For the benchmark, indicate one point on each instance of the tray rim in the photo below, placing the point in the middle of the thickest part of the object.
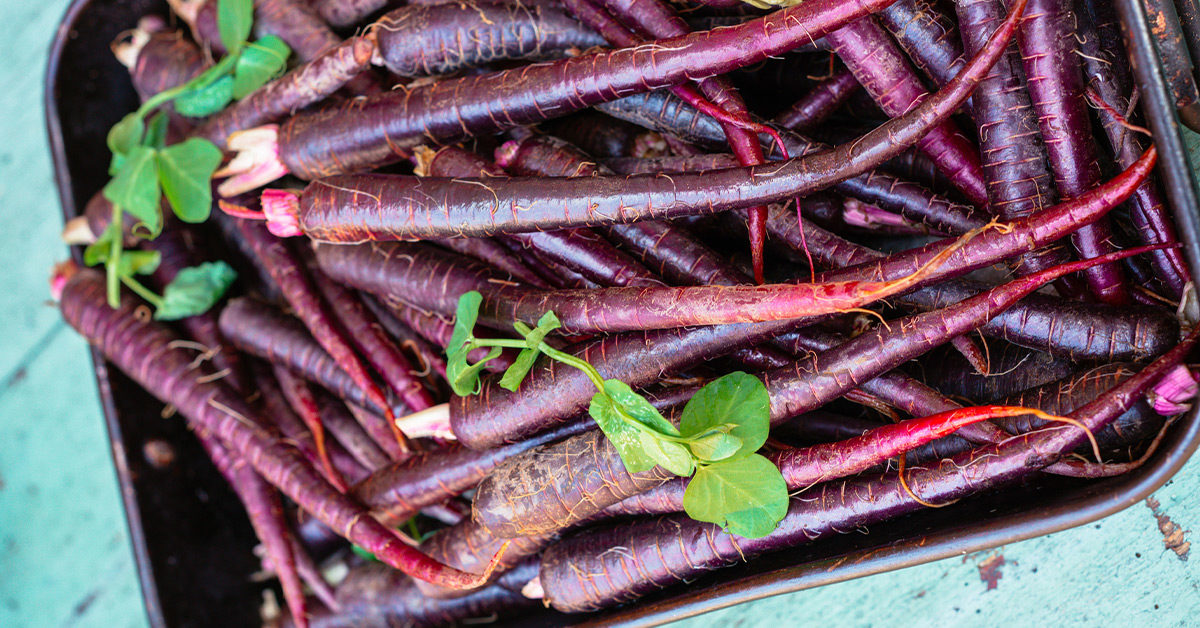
(1039, 521)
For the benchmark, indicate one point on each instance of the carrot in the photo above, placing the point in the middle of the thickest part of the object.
(263, 332)
(638, 359)
(1053, 74)
(344, 427)
(563, 498)
(927, 35)
(265, 511)
(304, 404)
(1013, 369)
(821, 101)
(305, 85)
(437, 39)
(364, 207)
(159, 59)
(353, 138)
(428, 357)
(143, 350)
(297, 287)
(397, 492)
(579, 574)
(469, 546)
(883, 71)
(341, 13)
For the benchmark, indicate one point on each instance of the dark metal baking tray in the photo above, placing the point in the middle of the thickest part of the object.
(192, 543)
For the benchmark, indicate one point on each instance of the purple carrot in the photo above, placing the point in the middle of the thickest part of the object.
(807, 385)
(264, 332)
(663, 113)
(426, 355)
(928, 36)
(159, 59)
(373, 595)
(364, 207)
(297, 287)
(1114, 88)
(437, 331)
(305, 85)
(265, 511)
(397, 492)
(469, 546)
(1014, 162)
(304, 404)
(343, 427)
(820, 102)
(1053, 74)
(582, 574)
(884, 72)
(353, 138)
(437, 39)
(596, 134)
(551, 392)
(144, 350)
(342, 13)
(275, 405)
(366, 334)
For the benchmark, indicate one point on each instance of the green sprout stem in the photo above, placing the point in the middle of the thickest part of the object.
(142, 291)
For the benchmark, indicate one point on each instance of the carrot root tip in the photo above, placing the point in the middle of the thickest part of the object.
(78, 231)
(432, 422)
(533, 589)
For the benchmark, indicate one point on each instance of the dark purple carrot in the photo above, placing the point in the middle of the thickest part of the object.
(275, 406)
(159, 59)
(469, 546)
(373, 595)
(264, 332)
(807, 385)
(885, 73)
(1014, 161)
(804, 467)
(385, 127)
(144, 351)
(436, 39)
(343, 427)
(427, 356)
(1053, 74)
(297, 287)
(596, 134)
(1094, 332)
(552, 391)
(666, 114)
(928, 36)
(305, 85)
(304, 404)
(365, 207)
(367, 334)
(1177, 61)
(1113, 88)
(582, 573)
(265, 511)
(342, 13)
(399, 491)
(820, 102)
(1013, 369)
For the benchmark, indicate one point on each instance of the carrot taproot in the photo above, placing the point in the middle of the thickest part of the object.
(302, 401)
(342, 426)
(927, 35)
(820, 102)
(143, 350)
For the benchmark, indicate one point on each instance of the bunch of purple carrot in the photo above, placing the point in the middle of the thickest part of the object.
(467, 226)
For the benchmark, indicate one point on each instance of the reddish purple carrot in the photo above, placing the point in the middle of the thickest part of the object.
(820, 102)
(145, 351)
(304, 404)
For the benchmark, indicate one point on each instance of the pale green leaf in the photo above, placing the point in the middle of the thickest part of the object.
(207, 100)
(739, 399)
(259, 62)
(234, 19)
(747, 496)
(185, 171)
(135, 188)
(195, 290)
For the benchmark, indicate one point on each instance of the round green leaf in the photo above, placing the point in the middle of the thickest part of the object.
(746, 496)
(715, 445)
(625, 438)
(125, 135)
(207, 100)
(737, 398)
(234, 19)
(259, 62)
(185, 171)
(135, 188)
(194, 290)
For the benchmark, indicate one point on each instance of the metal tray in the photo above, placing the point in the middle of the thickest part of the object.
(192, 543)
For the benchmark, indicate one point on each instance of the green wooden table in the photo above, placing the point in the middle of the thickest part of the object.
(65, 558)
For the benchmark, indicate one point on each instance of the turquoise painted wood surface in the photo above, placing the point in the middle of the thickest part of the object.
(64, 550)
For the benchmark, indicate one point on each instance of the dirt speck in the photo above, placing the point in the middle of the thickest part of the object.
(1174, 537)
(989, 570)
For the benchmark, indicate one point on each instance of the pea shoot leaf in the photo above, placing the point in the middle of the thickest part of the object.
(185, 171)
(746, 496)
(234, 19)
(206, 100)
(156, 131)
(98, 251)
(259, 62)
(122, 138)
(463, 376)
(716, 444)
(739, 399)
(525, 359)
(615, 407)
(194, 290)
(135, 188)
